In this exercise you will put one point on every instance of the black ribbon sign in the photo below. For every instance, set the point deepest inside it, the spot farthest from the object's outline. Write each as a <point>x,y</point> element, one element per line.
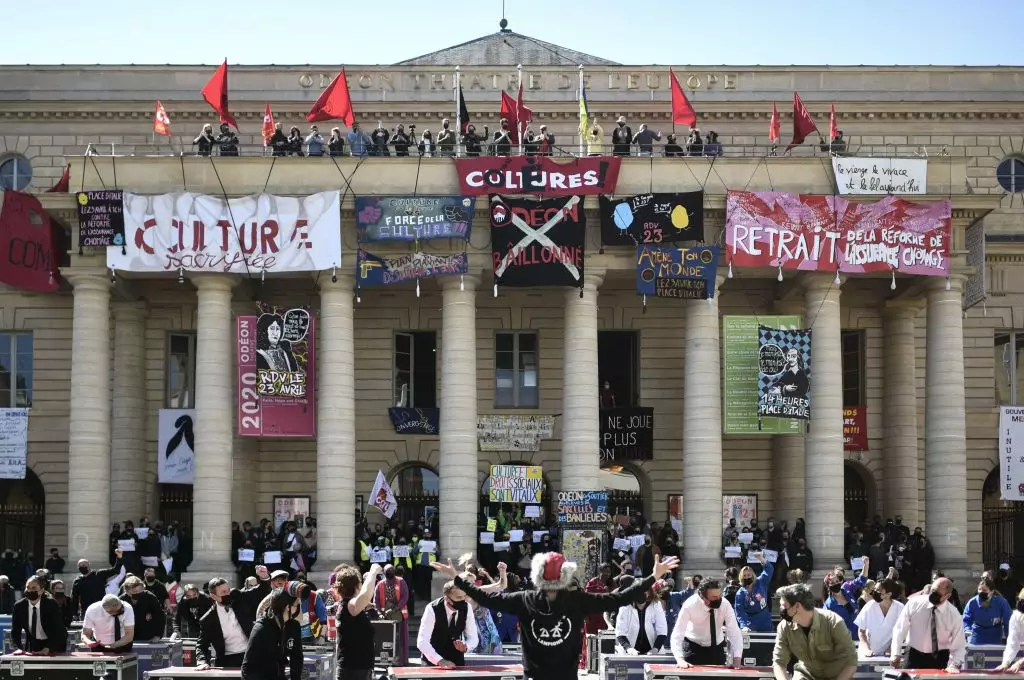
<point>627,434</point>
<point>537,243</point>
<point>652,218</point>
<point>101,218</point>
<point>415,420</point>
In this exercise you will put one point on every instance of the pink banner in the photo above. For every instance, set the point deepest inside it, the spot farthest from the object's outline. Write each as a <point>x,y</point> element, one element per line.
<point>826,233</point>
<point>277,373</point>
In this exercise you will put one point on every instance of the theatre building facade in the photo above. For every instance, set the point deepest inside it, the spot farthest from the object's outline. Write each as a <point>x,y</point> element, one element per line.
<point>797,335</point>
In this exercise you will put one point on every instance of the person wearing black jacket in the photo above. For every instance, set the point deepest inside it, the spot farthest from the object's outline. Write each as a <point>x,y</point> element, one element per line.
<point>551,617</point>
<point>149,612</point>
<point>205,141</point>
<point>237,610</point>
<point>55,563</point>
<point>6,596</point>
<point>37,614</point>
<point>190,610</point>
<point>58,590</point>
<point>402,140</point>
<point>91,585</point>
<point>276,640</point>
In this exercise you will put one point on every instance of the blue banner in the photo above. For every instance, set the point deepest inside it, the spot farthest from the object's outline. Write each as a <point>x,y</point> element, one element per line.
<point>415,420</point>
<point>682,273</point>
<point>373,270</point>
<point>413,218</point>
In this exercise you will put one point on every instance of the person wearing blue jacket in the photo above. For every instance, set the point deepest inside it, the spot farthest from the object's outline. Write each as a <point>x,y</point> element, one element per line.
<point>987,616</point>
<point>753,606</point>
<point>841,602</point>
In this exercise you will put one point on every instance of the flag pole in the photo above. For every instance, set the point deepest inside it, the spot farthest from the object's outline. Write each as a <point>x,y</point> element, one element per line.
<point>582,131</point>
<point>519,123</point>
<point>458,112</point>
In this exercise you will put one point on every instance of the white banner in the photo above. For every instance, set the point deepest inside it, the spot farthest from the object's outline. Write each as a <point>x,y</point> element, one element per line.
<point>1011,453</point>
<point>176,453</point>
<point>876,175</point>
<point>13,442</point>
<point>253,234</point>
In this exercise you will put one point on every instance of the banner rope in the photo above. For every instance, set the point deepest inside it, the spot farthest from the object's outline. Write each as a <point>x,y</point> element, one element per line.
<point>234,225</point>
<point>273,160</point>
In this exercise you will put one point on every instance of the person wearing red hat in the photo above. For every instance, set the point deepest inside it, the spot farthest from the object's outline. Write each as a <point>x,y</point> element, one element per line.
<point>551,616</point>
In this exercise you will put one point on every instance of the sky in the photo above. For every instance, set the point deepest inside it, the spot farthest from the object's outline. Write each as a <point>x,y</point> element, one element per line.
<point>672,32</point>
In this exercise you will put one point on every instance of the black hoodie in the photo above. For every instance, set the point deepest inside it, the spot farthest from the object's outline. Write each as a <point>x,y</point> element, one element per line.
<point>552,630</point>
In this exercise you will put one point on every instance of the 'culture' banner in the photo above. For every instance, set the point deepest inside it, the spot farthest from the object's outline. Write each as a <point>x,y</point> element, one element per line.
<point>413,218</point>
<point>538,243</point>
<point>652,218</point>
<point>784,373</point>
<point>682,273</point>
<point>740,395</point>
<point>826,233</point>
<point>538,175</point>
<point>199,233</point>
<point>374,270</point>
<point>277,373</point>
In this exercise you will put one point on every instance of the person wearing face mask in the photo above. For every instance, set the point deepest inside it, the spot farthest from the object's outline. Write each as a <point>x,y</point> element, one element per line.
<point>447,630</point>
<point>276,641</point>
<point>109,625</point>
<point>987,616</point>
<point>932,629</point>
<point>90,586</point>
<point>877,619</point>
<point>225,628</point>
<point>842,597</point>
<point>41,620</point>
<point>149,613</point>
<point>158,589</point>
<point>753,607</point>
<point>817,639</point>
<point>607,396</point>
<point>622,137</point>
<point>391,597</point>
<point>59,591</point>
<point>641,627</point>
<point>1014,640</point>
<point>697,637</point>
<point>802,558</point>
<point>189,612</point>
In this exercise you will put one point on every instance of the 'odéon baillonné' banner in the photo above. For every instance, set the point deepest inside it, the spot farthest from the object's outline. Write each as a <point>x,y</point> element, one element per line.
<point>652,218</point>
<point>585,176</point>
<point>828,233</point>
<point>376,270</point>
<point>783,373</point>
<point>538,243</point>
<point>682,273</point>
<point>413,218</point>
<point>248,235</point>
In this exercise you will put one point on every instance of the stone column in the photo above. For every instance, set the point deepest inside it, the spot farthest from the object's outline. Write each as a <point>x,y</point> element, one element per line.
<point>945,426</point>
<point>131,472</point>
<point>823,465</point>
<point>89,436</point>
<point>788,458</point>
<point>215,423</point>
<point>460,488</point>
<point>702,436</point>
<point>899,446</point>
<point>581,403</point>
<point>336,424</point>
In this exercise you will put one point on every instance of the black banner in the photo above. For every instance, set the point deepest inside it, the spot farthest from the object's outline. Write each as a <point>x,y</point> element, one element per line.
<point>415,420</point>
<point>537,243</point>
<point>652,219</point>
<point>627,434</point>
<point>101,218</point>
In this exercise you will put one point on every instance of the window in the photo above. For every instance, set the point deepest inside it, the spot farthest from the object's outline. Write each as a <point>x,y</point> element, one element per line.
<point>853,367</point>
<point>415,370</point>
<point>15,173</point>
<point>515,370</point>
<point>1010,174</point>
<point>181,370</point>
<point>1009,357</point>
<point>618,364</point>
<point>15,370</point>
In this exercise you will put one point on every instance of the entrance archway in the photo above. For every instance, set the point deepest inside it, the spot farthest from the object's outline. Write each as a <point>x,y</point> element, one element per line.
<point>625,492</point>
<point>416,487</point>
<point>23,515</point>
<point>1002,525</point>
<point>857,486</point>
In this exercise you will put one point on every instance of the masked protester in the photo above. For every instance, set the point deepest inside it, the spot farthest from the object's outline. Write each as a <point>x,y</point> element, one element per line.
<point>640,627</point>
<point>276,640</point>
<point>697,637</point>
<point>1015,638</point>
<point>925,621</point>
<point>987,616</point>
<point>753,607</point>
<point>59,591</point>
<point>90,586</point>
<point>190,610</point>
<point>149,612</point>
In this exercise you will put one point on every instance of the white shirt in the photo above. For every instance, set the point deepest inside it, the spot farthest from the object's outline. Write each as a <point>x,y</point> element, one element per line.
<point>469,636</point>
<point>878,627</point>
<point>627,623</point>
<point>1015,639</point>
<point>33,608</point>
<point>694,623</point>
<point>102,624</point>
<point>914,628</point>
<point>235,640</point>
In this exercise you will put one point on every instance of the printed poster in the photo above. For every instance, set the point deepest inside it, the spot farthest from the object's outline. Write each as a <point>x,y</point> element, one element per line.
<point>784,373</point>
<point>374,270</point>
<point>176,446</point>
<point>516,484</point>
<point>652,218</point>
<point>681,273</point>
<point>13,442</point>
<point>290,509</point>
<point>741,508</point>
<point>740,390</point>
<point>585,547</point>
<point>855,428</point>
<point>277,373</point>
<point>538,243</point>
<point>880,175</point>
<point>413,218</point>
<point>1011,453</point>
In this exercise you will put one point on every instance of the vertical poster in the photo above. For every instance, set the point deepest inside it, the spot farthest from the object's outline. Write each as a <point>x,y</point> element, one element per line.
<point>13,442</point>
<point>739,391</point>
<point>586,548</point>
<point>176,446</point>
<point>101,218</point>
<point>1011,453</point>
<point>741,507</point>
<point>783,373</point>
<point>277,373</point>
<point>855,428</point>
<point>290,509</point>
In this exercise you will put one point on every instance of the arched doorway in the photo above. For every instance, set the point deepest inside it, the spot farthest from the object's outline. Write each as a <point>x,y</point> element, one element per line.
<point>625,494</point>
<point>416,488</point>
<point>856,495</point>
<point>23,515</point>
<point>1002,525</point>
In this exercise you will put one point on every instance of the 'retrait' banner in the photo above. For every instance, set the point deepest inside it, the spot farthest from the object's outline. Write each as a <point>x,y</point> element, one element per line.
<point>413,218</point>
<point>277,373</point>
<point>652,218</point>
<point>538,175</point>
<point>538,243</point>
<point>828,233</point>
<point>378,270</point>
<point>784,373</point>
<point>681,273</point>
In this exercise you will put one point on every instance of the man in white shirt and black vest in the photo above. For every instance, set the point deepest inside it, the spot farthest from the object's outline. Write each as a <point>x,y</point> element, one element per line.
<point>933,631</point>
<point>697,638</point>
<point>447,629</point>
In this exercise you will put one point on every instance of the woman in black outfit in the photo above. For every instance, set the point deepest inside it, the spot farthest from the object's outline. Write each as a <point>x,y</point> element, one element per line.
<point>295,142</point>
<point>276,639</point>
<point>354,654</point>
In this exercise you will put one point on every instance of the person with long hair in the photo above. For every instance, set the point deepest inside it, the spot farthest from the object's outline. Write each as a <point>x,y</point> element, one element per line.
<point>276,639</point>
<point>878,617</point>
<point>273,352</point>
<point>641,626</point>
<point>354,651</point>
<point>753,607</point>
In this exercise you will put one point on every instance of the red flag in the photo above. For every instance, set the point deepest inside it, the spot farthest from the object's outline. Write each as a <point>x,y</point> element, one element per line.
<point>524,114</point>
<point>28,244</point>
<point>682,112</point>
<point>63,184</point>
<point>215,93</point>
<point>774,126</point>
<point>334,103</point>
<point>803,124</point>
<point>161,121</point>
<point>268,124</point>
<point>833,124</point>
<point>516,113</point>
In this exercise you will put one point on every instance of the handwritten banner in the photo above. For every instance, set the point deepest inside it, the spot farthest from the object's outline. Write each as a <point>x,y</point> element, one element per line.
<point>516,484</point>
<point>538,243</point>
<point>652,218</point>
<point>513,433</point>
<point>413,218</point>
<point>784,373</point>
<point>538,175</point>
<point>374,270</point>
<point>13,442</point>
<point>101,218</point>
<point>740,390</point>
<point>582,507</point>
<point>681,273</point>
<point>855,428</point>
<point>880,175</point>
<point>627,434</point>
<point>829,233</point>
<point>415,420</point>
<point>1011,453</point>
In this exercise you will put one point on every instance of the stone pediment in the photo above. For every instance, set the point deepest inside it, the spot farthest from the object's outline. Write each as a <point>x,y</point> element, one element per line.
<point>506,48</point>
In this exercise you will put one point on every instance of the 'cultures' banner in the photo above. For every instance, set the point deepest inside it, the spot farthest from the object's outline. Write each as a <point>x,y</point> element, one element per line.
<point>538,243</point>
<point>784,373</point>
<point>740,394</point>
<point>627,434</point>
<point>277,373</point>
<point>828,233</point>
<point>652,218</point>
<point>374,270</point>
<point>538,175</point>
<point>682,273</point>
<point>413,218</point>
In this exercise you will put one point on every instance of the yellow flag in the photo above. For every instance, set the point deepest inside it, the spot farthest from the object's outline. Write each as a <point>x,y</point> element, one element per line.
<point>584,112</point>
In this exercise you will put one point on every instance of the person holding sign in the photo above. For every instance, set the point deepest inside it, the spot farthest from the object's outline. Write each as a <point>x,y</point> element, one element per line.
<point>753,606</point>
<point>697,636</point>
<point>842,598</point>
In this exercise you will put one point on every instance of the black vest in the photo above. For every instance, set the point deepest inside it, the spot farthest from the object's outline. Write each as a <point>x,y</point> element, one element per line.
<point>443,637</point>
